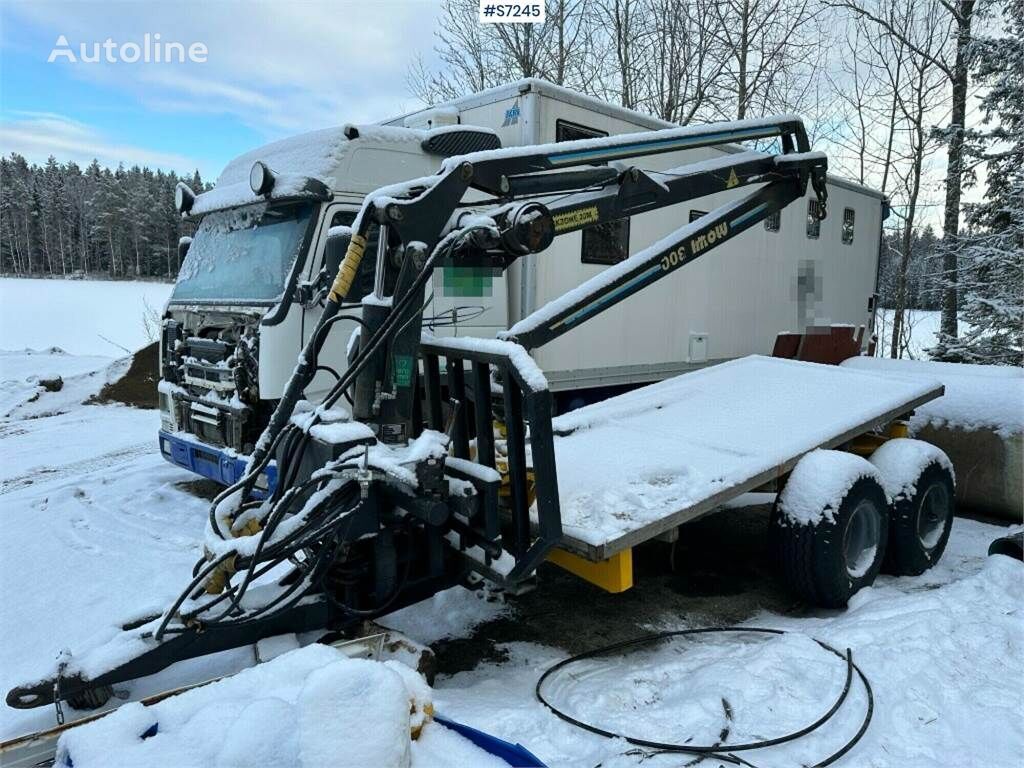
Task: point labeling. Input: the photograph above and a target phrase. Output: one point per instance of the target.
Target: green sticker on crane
(402, 370)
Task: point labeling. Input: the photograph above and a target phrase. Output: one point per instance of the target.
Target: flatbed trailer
(635, 467)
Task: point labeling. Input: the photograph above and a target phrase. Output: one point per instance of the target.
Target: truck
(436, 461)
(244, 306)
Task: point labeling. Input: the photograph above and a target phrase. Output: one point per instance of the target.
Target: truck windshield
(244, 254)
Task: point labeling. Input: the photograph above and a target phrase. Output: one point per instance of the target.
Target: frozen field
(923, 327)
(84, 317)
(97, 526)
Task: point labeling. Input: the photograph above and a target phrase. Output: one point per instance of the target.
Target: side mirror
(183, 245)
(338, 239)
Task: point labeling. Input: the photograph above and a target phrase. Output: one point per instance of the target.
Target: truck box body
(730, 304)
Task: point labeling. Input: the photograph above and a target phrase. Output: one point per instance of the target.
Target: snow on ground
(98, 529)
(944, 653)
(21, 372)
(310, 707)
(77, 314)
(447, 614)
(923, 327)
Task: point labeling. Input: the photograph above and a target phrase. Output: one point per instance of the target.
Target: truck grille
(209, 377)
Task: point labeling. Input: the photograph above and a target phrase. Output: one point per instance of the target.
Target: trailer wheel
(830, 542)
(920, 479)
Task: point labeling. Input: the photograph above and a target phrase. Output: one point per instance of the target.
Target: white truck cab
(246, 296)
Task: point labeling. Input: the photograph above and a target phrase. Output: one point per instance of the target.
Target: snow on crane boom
(373, 510)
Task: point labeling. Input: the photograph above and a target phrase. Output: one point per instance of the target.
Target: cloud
(279, 68)
(37, 135)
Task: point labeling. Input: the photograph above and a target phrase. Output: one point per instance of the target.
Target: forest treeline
(60, 220)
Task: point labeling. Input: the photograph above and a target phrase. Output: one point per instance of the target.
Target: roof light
(261, 178)
(184, 197)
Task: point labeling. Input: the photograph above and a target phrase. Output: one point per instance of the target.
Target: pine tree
(992, 250)
(61, 219)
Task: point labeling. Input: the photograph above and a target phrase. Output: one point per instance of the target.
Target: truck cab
(251, 283)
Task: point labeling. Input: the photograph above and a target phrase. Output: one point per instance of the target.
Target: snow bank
(309, 708)
(818, 483)
(353, 714)
(21, 374)
(977, 396)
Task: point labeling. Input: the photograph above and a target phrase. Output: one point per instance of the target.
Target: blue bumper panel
(212, 463)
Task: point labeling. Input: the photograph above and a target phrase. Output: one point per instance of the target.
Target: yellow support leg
(612, 575)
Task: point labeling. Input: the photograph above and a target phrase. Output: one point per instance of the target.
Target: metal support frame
(524, 407)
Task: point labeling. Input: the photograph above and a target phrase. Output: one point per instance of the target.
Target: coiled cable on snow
(723, 752)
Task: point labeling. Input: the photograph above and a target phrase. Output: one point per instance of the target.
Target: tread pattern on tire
(905, 556)
(809, 560)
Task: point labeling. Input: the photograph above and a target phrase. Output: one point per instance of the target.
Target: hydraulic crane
(412, 489)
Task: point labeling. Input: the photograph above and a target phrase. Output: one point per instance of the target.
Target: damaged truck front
(254, 276)
(235, 289)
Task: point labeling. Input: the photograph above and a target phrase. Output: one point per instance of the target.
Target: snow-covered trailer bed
(636, 466)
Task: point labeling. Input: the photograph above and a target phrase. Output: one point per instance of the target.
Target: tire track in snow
(103, 461)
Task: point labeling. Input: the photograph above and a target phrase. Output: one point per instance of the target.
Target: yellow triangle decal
(733, 181)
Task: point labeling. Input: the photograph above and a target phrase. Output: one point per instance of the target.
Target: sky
(272, 69)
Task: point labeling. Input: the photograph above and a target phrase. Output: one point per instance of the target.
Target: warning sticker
(578, 218)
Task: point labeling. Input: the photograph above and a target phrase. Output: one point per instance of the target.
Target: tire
(1011, 546)
(919, 525)
(828, 562)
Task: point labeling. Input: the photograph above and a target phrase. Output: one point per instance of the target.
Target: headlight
(184, 197)
(261, 178)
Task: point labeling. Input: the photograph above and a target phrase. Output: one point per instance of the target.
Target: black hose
(718, 751)
(292, 442)
(386, 603)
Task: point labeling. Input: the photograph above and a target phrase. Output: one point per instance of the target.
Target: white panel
(741, 294)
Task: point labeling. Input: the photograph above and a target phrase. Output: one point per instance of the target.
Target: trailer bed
(639, 464)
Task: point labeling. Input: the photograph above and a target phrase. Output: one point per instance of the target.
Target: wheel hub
(934, 512)
(860, 542)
